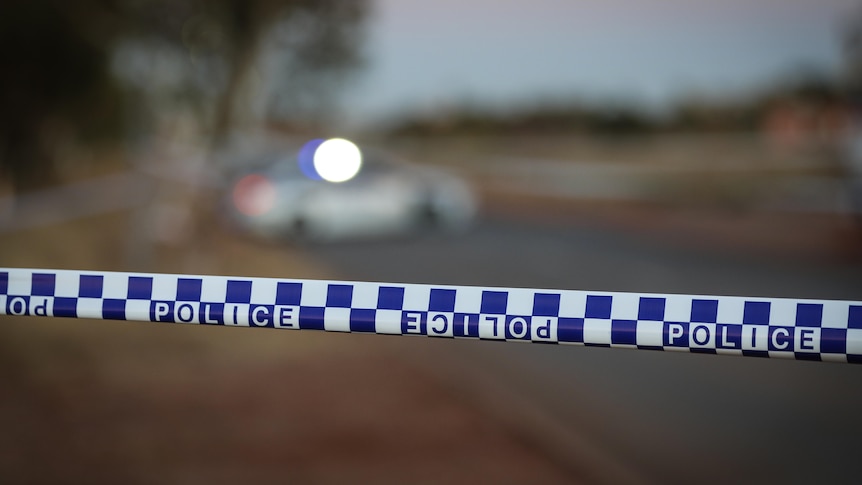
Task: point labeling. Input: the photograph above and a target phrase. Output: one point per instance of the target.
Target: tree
(54, 64)
(67, 63)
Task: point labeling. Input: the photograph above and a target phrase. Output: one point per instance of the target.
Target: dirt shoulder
(126, 402)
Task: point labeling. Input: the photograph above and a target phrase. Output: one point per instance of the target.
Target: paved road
(664, 417)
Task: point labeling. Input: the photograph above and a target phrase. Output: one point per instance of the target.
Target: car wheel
(427, 217)
(299, 232)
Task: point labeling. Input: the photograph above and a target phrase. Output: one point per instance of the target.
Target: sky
(427, 55)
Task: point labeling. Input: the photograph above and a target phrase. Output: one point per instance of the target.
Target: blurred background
(666, 146)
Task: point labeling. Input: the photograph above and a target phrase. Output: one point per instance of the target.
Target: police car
(329, 190)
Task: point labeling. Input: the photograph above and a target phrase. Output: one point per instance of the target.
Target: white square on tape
(138, 310)
(854, 341)
(416, 297)
(263, 291)
(313, 293)
(164, 287)
(336, 319)
(677, 308)
(67, 284)
(597, 331)
(468, 299)
(573, 304)
(520, 302)
(116, 286)
(782, 312)
(213, 289)
(650, 333)
(624, 306)
(835, 314)
(20, 283)
(730, 309)
(388, 321)
(90, 308)
(365, 295)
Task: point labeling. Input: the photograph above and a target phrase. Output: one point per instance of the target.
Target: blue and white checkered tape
(764, 327)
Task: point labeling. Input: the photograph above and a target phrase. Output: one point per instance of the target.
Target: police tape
(822, 330)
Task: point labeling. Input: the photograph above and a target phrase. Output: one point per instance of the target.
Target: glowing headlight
(337, 160)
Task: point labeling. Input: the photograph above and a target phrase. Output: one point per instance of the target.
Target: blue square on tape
(311, 317)
(651, 308)
(362, 319)
(756, 313)
(390, 298)
(140, 288)
(66, 307)
(4, 283)
(288, 293)
(624, 332)
(339, 296)
(546, 305)
(189, 289)
(441, 300)
(570, 330)
(598, 306)
(240, 292)
(854, 319)
(494, 302)
(833, 340)
(43, 284)
(809, 314)
(704, 311)
(114, 309)
(90, 286)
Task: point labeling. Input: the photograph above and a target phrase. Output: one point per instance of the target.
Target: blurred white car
(386, 197)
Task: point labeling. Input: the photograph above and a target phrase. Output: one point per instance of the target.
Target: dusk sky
(423, 55)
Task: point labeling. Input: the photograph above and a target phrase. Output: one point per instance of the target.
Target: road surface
(663, 417)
